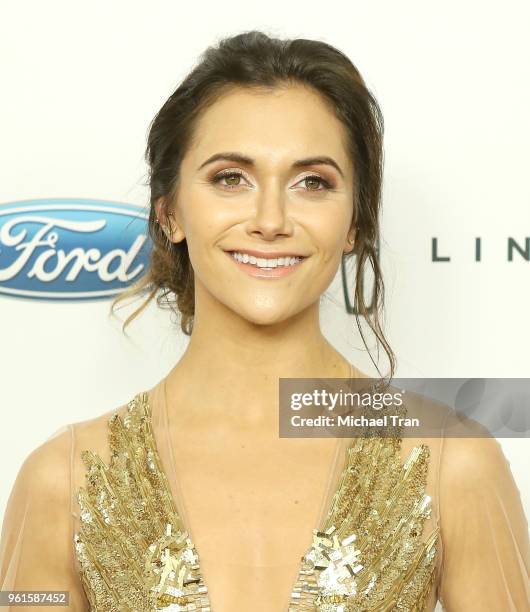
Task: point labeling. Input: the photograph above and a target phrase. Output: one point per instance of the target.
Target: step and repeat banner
(81, 83)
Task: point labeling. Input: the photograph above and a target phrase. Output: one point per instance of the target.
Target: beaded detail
(134, 553)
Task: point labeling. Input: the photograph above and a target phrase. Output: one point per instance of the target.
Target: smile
(260, 267)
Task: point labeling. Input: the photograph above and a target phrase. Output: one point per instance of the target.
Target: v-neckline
(179, 503)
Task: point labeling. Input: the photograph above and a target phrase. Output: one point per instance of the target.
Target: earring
(169, 214)
(166, 229)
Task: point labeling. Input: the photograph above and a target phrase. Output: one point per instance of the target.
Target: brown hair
(253, 59)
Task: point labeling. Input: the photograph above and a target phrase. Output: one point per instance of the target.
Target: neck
(235, 349)
(233, 363)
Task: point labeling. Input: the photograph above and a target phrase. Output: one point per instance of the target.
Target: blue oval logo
(71, 248)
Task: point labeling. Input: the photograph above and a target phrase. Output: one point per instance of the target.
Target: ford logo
(71, 248)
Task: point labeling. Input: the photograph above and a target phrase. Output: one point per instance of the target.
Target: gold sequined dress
(377, 543)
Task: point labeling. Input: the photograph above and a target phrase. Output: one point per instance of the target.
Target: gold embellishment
(135, 555)
(375, 560)
(132, 549)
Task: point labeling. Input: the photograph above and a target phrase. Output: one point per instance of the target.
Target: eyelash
(221, 175)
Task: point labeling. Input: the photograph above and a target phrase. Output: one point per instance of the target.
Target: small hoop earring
(169, 214)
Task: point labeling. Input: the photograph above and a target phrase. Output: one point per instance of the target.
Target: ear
(159, 210)
(167, 221)
(350, 241)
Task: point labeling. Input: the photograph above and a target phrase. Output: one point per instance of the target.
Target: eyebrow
(299, 163)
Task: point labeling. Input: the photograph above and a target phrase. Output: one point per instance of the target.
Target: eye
(232, 179)
(313, 181)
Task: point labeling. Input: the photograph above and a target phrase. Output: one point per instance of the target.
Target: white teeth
(265, 263)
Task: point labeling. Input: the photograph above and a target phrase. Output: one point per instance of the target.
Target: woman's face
(267, 171)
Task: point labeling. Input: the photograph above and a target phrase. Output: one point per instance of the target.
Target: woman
(265, 171)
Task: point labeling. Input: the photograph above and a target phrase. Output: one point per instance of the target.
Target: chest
(249, 498)
(250, 510)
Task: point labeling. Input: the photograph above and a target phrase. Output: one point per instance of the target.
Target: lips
(275, 272)
(266, 254)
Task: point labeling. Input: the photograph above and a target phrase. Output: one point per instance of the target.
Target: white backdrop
(80, 83)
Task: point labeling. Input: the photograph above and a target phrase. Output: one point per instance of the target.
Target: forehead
(291, 121)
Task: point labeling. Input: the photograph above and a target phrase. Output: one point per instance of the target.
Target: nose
(271, 215)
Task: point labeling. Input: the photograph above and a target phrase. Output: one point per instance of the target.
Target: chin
(272, 317)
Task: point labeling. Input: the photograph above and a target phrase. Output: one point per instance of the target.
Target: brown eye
(228, 179)
(232, 179)
(313, 182)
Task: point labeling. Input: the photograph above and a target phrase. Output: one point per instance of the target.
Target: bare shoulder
(468, 451)
(464, 449)
(38, 503)
(46, 468)
(472, 463)
(471, 456)
(45, 475)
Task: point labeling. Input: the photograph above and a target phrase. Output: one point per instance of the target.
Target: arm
(486, 550)
(36, 549)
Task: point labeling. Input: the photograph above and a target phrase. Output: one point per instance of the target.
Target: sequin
(368, 555)
(134, 553)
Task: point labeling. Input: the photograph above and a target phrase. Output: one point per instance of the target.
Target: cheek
(197, 219)
(204, 213)
(329, 220)
(330, 237)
